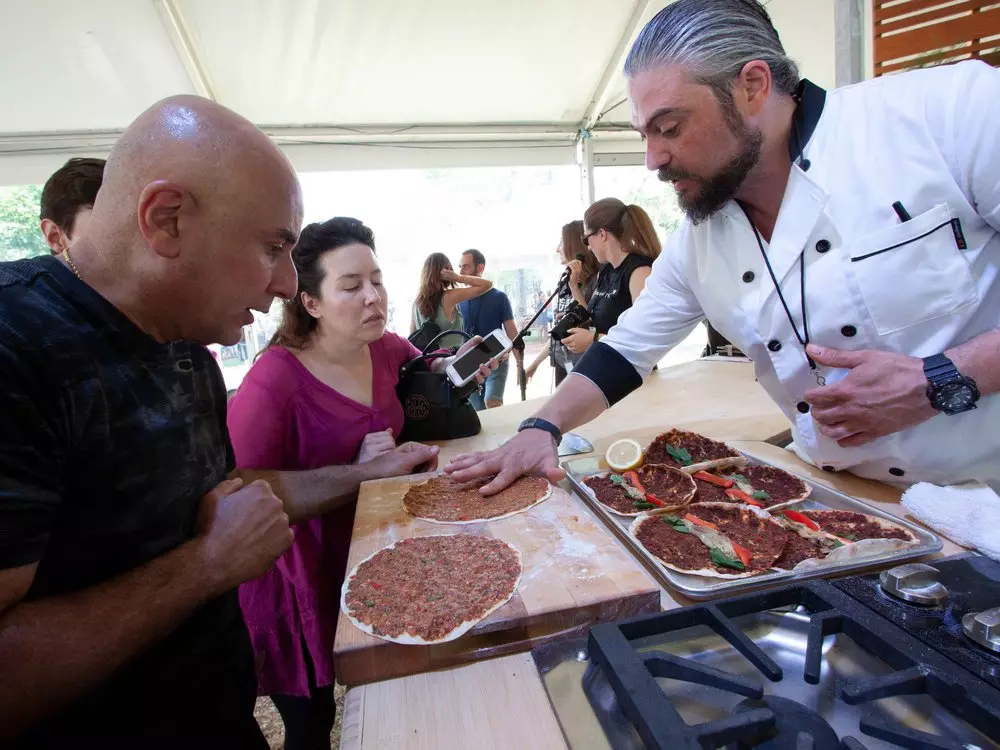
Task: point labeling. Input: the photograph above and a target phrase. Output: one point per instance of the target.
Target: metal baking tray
(701, 587)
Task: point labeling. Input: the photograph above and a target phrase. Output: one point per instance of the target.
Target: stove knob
(984, 628)
(914, 583)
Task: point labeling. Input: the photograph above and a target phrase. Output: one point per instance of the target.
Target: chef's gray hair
(714, 39)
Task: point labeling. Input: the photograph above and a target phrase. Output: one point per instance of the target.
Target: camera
(576, 316)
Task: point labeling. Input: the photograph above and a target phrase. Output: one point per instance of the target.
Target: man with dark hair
(482, 315)
(67, 200)
(848, 241)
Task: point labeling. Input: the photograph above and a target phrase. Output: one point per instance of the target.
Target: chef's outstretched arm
(663, 315)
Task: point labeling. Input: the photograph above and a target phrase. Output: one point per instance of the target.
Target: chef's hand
(406, 459)
(579, 339)
(883, 393)
(374, 445)
(529, 452)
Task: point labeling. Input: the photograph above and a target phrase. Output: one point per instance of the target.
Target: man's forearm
(576, 401)
(55, 650)
(980, 360)
(308, 494)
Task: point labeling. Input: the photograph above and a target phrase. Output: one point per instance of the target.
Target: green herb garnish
(725, 561)
(680, 455)
(434, 597)
(837, 544)
(851, 537)
(679, 524)
(737, 478)
(643, 505)
(369, 603)
(761, 495)
(617, 479)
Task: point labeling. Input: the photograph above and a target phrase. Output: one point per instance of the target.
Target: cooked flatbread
(774, 488)
(441, 499)
(705, 453)
(748, 527)
(673, 486)
(431, 589)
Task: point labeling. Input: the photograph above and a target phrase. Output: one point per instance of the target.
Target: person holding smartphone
(322, 393)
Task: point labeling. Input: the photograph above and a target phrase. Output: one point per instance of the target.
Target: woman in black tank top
(624, 241)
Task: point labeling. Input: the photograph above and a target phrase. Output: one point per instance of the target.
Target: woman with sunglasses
(624, 241)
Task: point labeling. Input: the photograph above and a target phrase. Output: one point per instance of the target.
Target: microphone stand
(518, 341)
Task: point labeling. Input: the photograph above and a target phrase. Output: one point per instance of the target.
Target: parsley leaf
(851, 537)
(617, 479)
(737, 478)
(434, 597)
(761, 495)
(680, 455)
(727, 562)
(643, 505)
(369, 603)
(679, 524)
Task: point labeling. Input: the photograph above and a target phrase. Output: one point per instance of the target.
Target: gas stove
(909, 658)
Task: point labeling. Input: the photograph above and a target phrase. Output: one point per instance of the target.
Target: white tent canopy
(343, 84)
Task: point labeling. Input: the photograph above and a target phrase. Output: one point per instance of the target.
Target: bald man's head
(208, 208)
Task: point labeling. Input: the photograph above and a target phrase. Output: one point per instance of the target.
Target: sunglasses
(588, 235)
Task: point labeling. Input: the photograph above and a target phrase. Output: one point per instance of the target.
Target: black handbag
(429, 332)
(434, 408)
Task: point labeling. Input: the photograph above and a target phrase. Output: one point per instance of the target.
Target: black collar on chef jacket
(810, 99)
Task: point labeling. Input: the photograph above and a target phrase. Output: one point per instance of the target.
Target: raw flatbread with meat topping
(693, 552)
(698, 452)
(855, 527)
(675, 488)
(430, 589)
(443, 500)
(772, 487)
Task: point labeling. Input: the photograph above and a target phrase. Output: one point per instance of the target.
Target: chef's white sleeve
(967, 129)
(663, 315)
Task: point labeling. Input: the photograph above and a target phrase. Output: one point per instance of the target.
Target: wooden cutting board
(575, 574)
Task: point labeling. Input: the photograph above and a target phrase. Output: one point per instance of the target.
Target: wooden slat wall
(917, 33)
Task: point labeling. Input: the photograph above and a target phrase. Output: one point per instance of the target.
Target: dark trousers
(308, 719)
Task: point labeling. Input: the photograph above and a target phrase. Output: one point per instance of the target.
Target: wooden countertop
(501, 703)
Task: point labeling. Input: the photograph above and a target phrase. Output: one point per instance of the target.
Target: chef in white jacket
(847, 241)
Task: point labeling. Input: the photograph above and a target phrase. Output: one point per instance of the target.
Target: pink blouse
(283, 417)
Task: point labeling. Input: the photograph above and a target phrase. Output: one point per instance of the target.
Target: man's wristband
(534, 423)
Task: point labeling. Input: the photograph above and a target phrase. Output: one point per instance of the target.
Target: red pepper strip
(742, 497)
(713, 479)
(794, 515)
(698, 522)
(633, 478)
(741, 552)
(376, 586)
(655, 500)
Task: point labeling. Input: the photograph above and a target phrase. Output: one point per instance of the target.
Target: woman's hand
(375, 444)
(530, 370)
(448, 275)
(579, 340)
(575, 270)
(485, 370)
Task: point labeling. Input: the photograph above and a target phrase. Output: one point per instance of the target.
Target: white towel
(967, 514)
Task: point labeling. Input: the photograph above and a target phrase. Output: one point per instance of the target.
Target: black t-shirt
(108, 441)
(612, 296)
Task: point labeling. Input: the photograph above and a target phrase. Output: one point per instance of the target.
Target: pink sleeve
(256, 421)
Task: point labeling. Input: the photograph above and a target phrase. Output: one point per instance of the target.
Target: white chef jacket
(929, 139)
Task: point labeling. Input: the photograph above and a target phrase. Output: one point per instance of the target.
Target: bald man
(124, 529)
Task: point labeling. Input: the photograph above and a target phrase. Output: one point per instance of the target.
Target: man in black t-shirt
(124, 529)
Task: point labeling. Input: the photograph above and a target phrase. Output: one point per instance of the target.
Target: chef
(847, 241)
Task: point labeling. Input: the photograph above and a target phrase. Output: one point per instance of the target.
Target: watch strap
(534, 423)
(939, 368)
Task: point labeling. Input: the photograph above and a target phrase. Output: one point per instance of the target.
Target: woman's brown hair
(573, 248)
(630, 225)
(432, 286)
(297, 325)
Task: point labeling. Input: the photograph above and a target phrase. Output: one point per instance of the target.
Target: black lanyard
(804, 336)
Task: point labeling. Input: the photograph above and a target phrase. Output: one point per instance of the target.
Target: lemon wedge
(624, 455)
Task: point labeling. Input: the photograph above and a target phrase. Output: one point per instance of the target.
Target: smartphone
(464, 368)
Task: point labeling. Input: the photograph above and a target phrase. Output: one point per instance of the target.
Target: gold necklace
(72, 265)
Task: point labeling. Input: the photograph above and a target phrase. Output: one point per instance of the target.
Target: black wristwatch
(534, 423)
(948, 390)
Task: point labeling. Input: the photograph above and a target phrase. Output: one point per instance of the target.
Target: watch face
(955, 397)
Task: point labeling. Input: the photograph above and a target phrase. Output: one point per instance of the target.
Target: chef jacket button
(748, 277)
(849, 331)
(828, 468)
(896, 472)
(822, 246)
(803, 407)
(774, 345)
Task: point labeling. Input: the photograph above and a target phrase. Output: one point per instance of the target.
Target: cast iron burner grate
(768, 722)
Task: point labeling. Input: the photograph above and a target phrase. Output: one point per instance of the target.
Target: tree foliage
(20, 236)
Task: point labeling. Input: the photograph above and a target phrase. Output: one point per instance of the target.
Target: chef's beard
(716, 191)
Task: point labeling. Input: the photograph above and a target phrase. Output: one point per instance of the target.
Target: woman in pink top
(323, 393)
